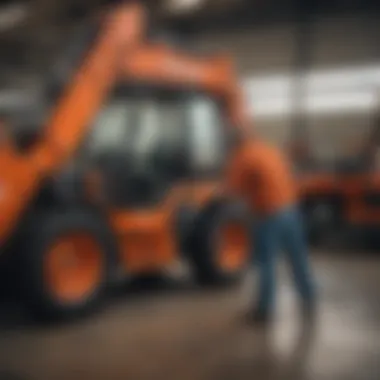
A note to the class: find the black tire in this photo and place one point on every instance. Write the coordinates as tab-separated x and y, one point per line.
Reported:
38	238
184	222
204	244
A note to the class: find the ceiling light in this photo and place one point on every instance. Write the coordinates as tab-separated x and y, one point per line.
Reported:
315	104
12	15
179	6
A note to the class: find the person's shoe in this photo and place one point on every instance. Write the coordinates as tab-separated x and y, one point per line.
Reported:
257	318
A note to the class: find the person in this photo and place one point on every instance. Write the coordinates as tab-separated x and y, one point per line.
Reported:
260	175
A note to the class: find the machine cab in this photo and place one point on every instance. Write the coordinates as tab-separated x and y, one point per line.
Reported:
146	140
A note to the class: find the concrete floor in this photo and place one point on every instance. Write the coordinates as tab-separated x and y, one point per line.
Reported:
182	333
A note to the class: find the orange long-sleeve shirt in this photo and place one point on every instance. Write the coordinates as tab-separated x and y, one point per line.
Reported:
261	175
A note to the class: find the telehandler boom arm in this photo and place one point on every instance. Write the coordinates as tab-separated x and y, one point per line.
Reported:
20	175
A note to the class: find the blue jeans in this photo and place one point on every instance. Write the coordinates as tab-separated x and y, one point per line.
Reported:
282	231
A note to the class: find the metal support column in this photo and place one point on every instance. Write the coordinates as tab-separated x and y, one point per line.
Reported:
305	14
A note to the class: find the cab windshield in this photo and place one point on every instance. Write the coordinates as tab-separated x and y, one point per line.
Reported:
145	127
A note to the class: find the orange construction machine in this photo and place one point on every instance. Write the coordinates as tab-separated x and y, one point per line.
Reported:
347	194
125	176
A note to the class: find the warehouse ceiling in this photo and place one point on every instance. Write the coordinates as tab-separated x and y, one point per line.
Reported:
32	32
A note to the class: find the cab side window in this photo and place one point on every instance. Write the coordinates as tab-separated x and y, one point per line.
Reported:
207	137
111	128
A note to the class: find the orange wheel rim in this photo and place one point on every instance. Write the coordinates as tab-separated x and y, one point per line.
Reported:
73	267
234	247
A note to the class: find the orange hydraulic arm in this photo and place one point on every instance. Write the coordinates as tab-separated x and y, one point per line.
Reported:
159	64
20	175
74	113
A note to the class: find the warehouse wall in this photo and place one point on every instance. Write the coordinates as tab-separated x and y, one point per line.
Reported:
267	55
